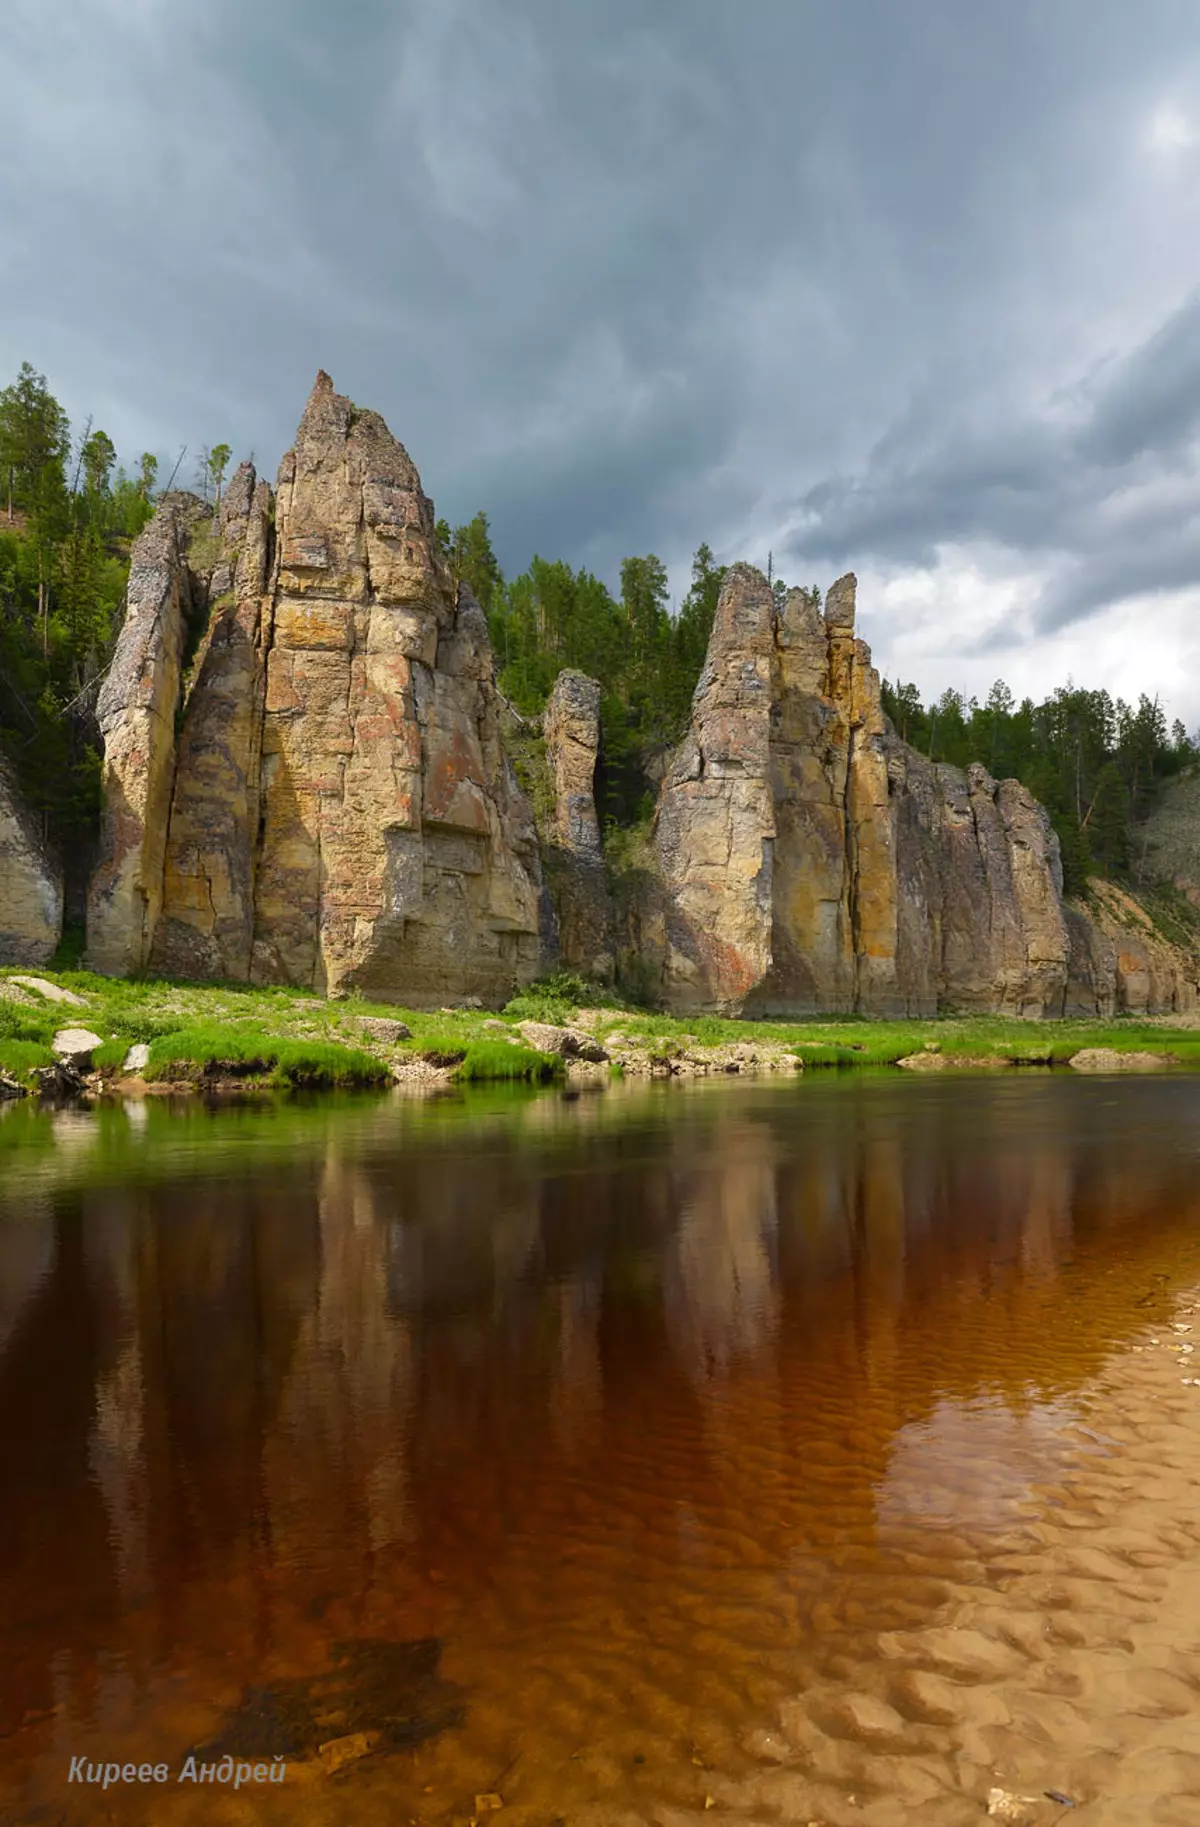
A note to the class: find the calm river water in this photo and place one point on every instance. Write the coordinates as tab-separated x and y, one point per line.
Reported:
679	1429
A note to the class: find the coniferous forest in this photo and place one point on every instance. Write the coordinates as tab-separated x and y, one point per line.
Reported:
68	518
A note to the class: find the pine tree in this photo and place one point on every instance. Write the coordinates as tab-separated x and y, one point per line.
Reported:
473	560
34	440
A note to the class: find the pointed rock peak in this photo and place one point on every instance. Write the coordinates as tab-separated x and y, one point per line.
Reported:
798	616
839	604
239	493
741	575
744	610
327	416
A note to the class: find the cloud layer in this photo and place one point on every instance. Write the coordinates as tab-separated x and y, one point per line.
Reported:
911	290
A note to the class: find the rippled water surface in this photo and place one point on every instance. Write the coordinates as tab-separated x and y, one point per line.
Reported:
722	1439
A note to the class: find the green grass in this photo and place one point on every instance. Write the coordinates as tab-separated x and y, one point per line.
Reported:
292	1037
20	1023
19	1057
228	1052
498	1059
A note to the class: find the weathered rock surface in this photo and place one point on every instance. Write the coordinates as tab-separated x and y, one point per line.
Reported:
1108	1059
571	726
339	812
31	893
50	992
136	712
571	847
813	862
571	1043
76	1046
383	1029
716	816
206	922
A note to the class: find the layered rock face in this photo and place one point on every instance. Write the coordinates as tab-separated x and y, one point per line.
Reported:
572	853
31	889
338	811
813	862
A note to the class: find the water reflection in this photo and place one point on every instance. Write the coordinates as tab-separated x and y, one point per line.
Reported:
662	1370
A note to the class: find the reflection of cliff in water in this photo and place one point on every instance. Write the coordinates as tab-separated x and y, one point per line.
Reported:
227	1402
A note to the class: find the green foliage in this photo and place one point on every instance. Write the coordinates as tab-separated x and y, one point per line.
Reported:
64	562
34	440
556	996
469	549
647	661
218	463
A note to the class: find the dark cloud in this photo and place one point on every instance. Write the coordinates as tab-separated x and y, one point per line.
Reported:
870	283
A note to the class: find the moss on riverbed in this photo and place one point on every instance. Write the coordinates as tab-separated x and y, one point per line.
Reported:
198	1033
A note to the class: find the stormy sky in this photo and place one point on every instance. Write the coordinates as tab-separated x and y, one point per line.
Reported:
912	290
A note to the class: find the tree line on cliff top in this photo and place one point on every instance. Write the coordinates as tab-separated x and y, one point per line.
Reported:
68	517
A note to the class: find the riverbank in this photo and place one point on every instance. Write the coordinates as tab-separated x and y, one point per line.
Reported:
72	1031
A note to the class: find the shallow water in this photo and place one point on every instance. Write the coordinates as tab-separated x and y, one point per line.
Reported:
745	1448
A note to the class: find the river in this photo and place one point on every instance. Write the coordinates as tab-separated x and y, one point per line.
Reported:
756	1452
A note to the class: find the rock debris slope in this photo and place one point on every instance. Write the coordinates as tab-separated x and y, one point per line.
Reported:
317	794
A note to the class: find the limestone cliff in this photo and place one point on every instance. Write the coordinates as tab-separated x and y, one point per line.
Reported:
338	811
813	862
31	890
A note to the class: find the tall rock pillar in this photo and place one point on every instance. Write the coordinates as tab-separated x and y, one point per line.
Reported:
715	830
136	713
572	857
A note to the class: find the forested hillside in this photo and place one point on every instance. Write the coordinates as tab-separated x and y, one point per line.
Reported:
1096	764
66	526
68	517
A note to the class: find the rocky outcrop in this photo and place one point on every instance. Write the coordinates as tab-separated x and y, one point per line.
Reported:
31	890
571	726
338	811
1122	963
813	862
574	865
136	711
980	919
205	926
715	828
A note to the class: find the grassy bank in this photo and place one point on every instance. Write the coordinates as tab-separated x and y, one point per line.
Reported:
215	1032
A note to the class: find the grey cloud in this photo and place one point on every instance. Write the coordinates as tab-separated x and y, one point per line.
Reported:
633	277
1103	504
1152	402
